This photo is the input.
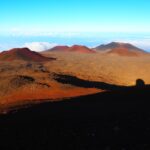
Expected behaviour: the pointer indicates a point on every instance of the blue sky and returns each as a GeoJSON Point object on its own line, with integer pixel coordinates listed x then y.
{"type": "Point", "coordinates": [74, 18]}
{"type": "Point", "coordinates": [75, 15]}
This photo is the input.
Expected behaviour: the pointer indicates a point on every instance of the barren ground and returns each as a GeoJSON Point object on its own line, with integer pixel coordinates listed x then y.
{"type": "Point", "coordinates": [26, 83]}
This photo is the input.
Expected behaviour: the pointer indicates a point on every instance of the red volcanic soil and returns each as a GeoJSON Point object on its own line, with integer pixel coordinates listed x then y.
{"type": "Point", "coordinates": [114, 45]}
{"type": "Point", "coordinates": [27, 96]}
{"type": "Point", "coordinates": [22, 54]}
{"type": "Point", "coordinates": [124, 52]}
{"type": "Point", "coordinates": [75, 48]}
{"type": "Point", "coordinates": [60, 49]}
{"type": "Point", "coordinates": [81, 49]}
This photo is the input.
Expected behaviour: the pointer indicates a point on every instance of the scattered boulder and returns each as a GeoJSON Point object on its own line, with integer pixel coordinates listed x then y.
{"type": "Point", "coordinates": [21, 80]}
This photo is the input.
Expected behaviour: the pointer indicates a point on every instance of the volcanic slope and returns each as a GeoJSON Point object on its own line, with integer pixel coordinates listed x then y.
{"type": "Point", "coordinates": [122, 49]}
{"type": "Point", "coordinates": [74, 48]}
{"type": "Point", "coordinates": [24, 54]}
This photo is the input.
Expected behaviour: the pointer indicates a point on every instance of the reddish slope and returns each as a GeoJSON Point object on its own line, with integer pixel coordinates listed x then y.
{"type": "Point", "coordinates": [22, 54]}
{"type": "Point", "coordinates": [75, 48]}
{"type": "Point", "coordinates": [80, 49]}
{"type": "Point", "coordinates": [124, 52]}
{"type": "Point", "coordinates": [114, 45]}
{"type": "Point", "coordinates": [60, 49]}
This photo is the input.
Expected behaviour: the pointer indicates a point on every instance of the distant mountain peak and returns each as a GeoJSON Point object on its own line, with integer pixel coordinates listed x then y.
{"type": "Point", "coordinates": [117, 45]}
{"type": "Point", "coordinates": [24, 54]}
{"type": "Point", "coordinates": [74, 48]}
{"type": "Point", "coordinates": [123, 49]}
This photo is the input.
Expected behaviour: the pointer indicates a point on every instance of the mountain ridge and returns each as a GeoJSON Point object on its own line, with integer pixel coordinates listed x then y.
{"type": "Point", "coordinates": [113, 45]}
{"type": "Point", "coordinates": [24, 54]}
{"type": "Point", "coordinates": [122, 49]}
{"type": "Point", "coordinates": [74, 48]}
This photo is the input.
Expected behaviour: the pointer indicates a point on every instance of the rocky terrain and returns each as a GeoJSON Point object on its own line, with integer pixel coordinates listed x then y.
{"type": "Point", "coordinates": [30, 77]}
{"type": "Point", "coordinates": [74, 99]}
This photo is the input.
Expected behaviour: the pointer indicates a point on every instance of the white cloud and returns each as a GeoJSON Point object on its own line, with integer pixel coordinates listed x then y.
{"type": "Point", "coordinates": [39, 46]}
{"type": "Point", "coordinates": [145, 44]}
{"type": "Point", "coordinates": [141, 43]}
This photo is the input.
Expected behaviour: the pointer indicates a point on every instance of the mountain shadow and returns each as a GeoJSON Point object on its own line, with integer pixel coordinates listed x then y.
{"type": "Point", "coordinates": [67, 79]}
{"type": "Point", "coordinates": [117, 119]}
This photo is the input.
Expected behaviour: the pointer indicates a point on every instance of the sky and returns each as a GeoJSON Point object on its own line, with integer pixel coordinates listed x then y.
{"type": "Point", "coordinates": [74, 21]}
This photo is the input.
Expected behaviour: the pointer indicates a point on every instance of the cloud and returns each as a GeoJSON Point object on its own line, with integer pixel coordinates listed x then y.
{"type": "Point", "coordinates": [145, 44]}
{"type": "Point", "coordinates": [39, 46]}
{"type": "Point", "coordinates": [141, 43]}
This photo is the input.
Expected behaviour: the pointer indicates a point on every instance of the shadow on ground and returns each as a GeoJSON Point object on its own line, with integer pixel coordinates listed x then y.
{"type": "Point", "coordinates": [118, 119]}
{"type": "Point", "coordinates": [67, 79]}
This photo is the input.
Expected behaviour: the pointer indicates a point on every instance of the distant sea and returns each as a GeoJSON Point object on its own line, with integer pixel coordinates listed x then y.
{"type": "Point", "coordinates": [142, 40]}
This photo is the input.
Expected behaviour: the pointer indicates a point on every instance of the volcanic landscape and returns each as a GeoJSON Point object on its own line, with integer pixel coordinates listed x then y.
{"type": "Point", "coordinates": [75, 98]}
{"type": "Point", "coordinates": [28, 77]}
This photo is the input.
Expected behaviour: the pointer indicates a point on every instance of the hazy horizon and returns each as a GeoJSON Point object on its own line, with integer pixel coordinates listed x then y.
{"type": "Point", "coordinates": [41, 24]}
{"type": "Point", "coordinates": [39, 43]}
